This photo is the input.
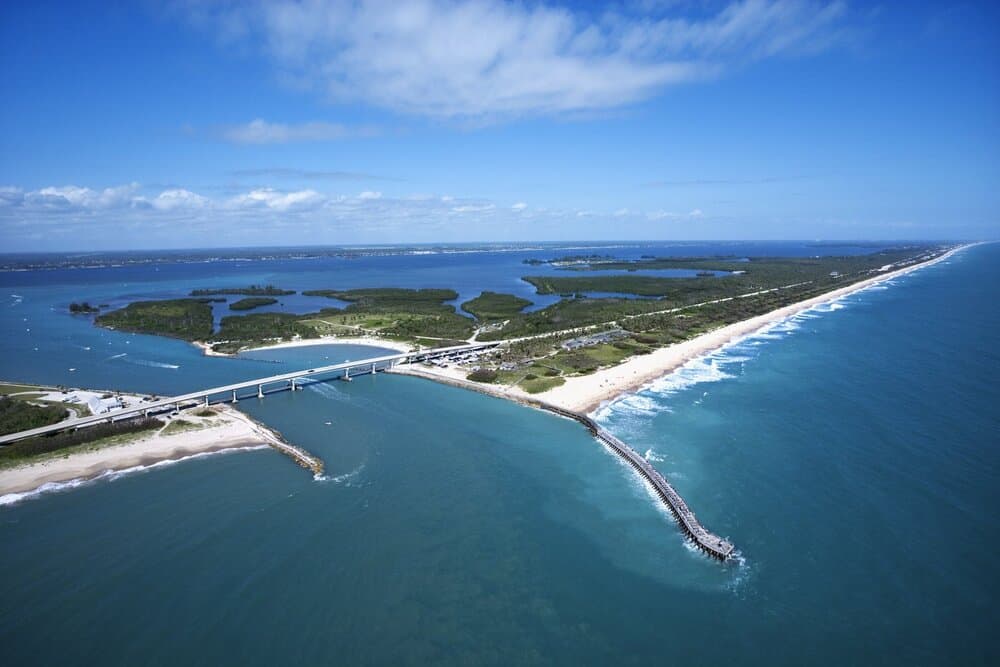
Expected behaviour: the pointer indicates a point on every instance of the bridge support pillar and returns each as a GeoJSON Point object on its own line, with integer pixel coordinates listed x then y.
{"type": "Point", "coordinates": [235, 400]}
{"type": "Point", "coordinates": [347, 373]}
{"type": "Point", "coordinates": [373, 369]}
{"type": "Point", "coordinates": [260, 391]}
{"type": "Point", "coordinates": [293, 384]}
{"type": "Point", "coordinates": [206, 400]}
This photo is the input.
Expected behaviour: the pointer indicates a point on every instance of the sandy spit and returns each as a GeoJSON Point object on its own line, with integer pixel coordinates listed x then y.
{"type": "Point", "coordinates": [229, 429]}
{"type": "Point", "coordinates": [373, 341]}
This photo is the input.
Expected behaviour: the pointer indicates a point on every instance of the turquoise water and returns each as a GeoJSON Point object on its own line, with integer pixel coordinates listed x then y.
{"type": "Point", "coordinates": [849, 453]}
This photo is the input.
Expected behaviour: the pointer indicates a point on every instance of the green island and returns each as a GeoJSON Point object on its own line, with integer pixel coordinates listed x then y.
{"type": "Point", "coordinates": [187, 319]}
{"type": "Point", "coordinates": [253, 290]}
{"type": "Point", "coordinates": [82, 308]}
{"type": "Point", "coordinates": [252, 302]}
{"type": "Point", "coordinates": [403, 314]}
{"type": "Point", "coordinates": [495, 306]}
{"type": "Point", "coordinates": [575, 336]}
{"type": "Point", "coordinates": [237, 332]}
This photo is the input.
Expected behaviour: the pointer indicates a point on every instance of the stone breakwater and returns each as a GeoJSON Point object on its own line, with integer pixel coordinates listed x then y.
{"type": "Point", "coordinates": [711, 544]}
{"type": "Point", "coordinates": [276, 441]}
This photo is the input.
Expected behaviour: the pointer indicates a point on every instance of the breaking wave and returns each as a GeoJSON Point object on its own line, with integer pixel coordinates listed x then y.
{"type": "Point", "coordinates": [721, 364]}
{"type": "Point", "coordinates": [111, 475]}
{"type": "Point", "coordinates": [346, 478]}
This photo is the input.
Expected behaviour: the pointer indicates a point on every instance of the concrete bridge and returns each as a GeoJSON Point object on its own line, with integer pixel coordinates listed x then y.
{"type": "Point", "coordinates": [260, 387]}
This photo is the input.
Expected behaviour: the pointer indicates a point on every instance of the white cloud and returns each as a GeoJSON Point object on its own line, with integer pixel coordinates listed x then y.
{"type": "Point", "coordinates": [276, 200]}
{"type": "Point", "coordinates": [259, 131]}
{"type": "Point", "coordinates": [169, 200]}
{"type": "Point", "coordinates": [11, 196]}
{"type": "Point", "coordinates": [73, 197]}
{"type": "Point", "coordinates": [473, 208]}
{"type": "Point", "coordinates": [488, 58]}
{"type": "Point", "coordinates": [669, 215]}
{"type": "Point", "coordinates": [128, 214]}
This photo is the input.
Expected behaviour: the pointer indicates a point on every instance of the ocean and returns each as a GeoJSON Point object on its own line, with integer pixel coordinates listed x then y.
{"type": "Point", "coordinates": [850, 453]}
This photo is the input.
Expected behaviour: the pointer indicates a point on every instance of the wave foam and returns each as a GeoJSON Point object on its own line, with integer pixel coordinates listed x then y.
{"type": "Point", "coordinates": [345, 478]}
{"type": "Point", "coordinates": [111, 475]}
{"type": "Point", "coordinates": [327, 390]}
{"type": "Point", "coordinates": [712, 367]}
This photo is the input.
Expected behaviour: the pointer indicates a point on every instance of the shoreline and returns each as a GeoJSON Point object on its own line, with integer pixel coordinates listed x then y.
{"type": "Point", "coordinates": [237, 431]}
{"type": "Point", "coordinates": [234, 432]}
{"type": "Point", "coordinates": [588, 393]}
{"type": "Point", "coordinates": [371, 341]}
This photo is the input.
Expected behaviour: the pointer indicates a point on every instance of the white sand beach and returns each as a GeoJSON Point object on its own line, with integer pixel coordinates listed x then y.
{"type": "Point", "coordinates": [588, 392]}
{"type": "Point", "coordinates": [373, 341]}
{"type": "Point", "coordinates": [227, 429]}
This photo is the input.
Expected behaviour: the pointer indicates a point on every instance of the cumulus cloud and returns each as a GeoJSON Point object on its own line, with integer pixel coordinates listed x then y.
{"type": "Point", "coordinates": [169, 200]}
{"type": "Point", "coordinates": [486, 58]}
{"type": "Point", "coordinates": [129, 214]}
{"type": "Point", "coordinates": [73, 197]}
{"type": "Point", "coordinates": [259, 131]}
{"type": "Point", "coordinates": [669, 215]}
{"type": "Point", "coordinates": [268, 198]}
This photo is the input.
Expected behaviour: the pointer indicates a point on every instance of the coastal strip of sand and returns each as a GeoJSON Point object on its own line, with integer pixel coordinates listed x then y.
{"type": "Point", "coordinates": [194, 435]}
{"type": "Point", "coordinates": [373, 341]}
{"type": "Point", "coordinates": [586, 393]}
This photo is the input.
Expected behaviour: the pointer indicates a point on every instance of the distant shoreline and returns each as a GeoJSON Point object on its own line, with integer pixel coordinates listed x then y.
{"type": "Point", "coordinates": [588, 393]}
{"type": "Point", "coordinates": [232, 430]}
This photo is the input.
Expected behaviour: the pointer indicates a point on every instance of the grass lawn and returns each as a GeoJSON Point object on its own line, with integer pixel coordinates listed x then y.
{"type": "Point", "coordinates": [15, 388]}
{"type": "Point", "coordinates": [540, 384]}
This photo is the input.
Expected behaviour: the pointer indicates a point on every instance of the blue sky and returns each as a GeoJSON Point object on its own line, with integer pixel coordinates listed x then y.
{"type": "Point", "coordinates": [232, 124]}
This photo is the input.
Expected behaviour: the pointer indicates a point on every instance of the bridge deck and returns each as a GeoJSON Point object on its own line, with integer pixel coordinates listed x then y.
{"type": "Point", "coordinates": [167, 403]}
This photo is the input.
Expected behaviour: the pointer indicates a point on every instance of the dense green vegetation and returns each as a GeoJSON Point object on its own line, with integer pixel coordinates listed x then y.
{"type": "Point", "coordinates": [253, 290]}
{"type": "Point", "coordinates": [81, 308]}
{"type": "Point", "coordinates": [683, 307]}
{"type": "Point", "coordinates": [389, 297]}
{"type": "Point", "coordinates": [188, 319]}
{"type": "Point", "coordinates": [237, 332]}
{"type": "Point", "coordinates": [814, 275]}
{"type": "Point", "coordinates": [399, 312]}
{"type": "Point", "coordinates": [495, 306]}
{"type": "Point", "coordinates": [23, 449]}
{"type": "Point", "coordinates": [18, 415]}
{"type": "Point", "coordinates": [252, 302]}
{"type": "Point", "coordinates": [483, 375]}
{"type": "Point", "coordinates": [17, 388]}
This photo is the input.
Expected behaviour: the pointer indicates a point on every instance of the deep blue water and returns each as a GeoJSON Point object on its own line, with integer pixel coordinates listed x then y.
{"type": "Point", "coordinates": [850, 454]}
